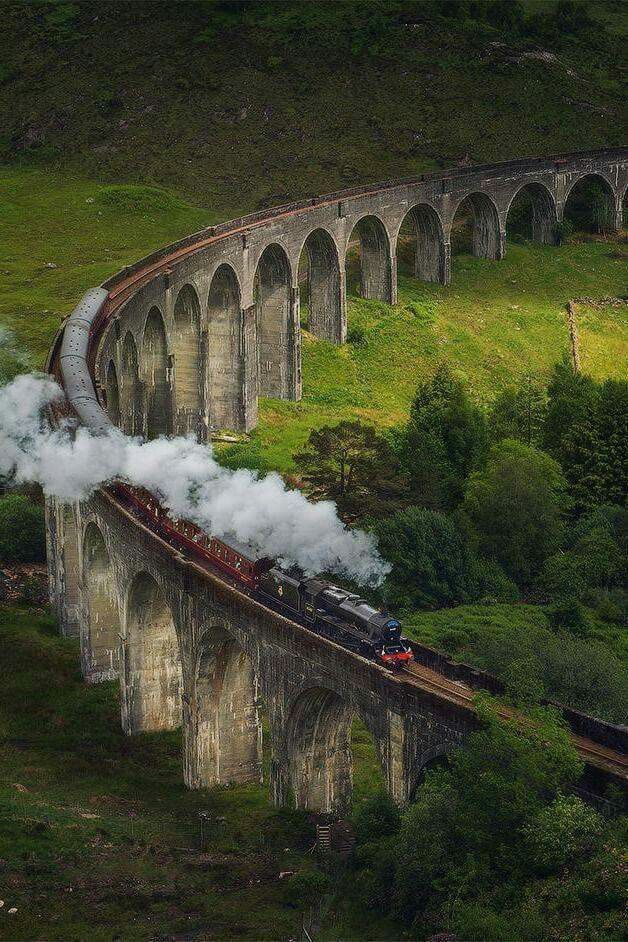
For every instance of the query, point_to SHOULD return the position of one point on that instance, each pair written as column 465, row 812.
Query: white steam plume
column 258, row 511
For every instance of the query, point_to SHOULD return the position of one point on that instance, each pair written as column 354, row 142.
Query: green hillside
column 247, row 104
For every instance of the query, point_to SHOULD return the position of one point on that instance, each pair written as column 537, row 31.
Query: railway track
column 463, row 695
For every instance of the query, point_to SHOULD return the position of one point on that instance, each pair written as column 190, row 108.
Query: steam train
column 315, row 603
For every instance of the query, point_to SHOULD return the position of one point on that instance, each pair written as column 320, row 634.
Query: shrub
column 379, row 817
column 356, row 336
column 568, row 613
column 22, row 533
column 305, row 887
column 489, row 583
column 429, row 558
column 562, row 831
column 516, row 508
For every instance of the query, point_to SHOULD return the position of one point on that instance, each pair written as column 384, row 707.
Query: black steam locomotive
column 321, row 606
column 337, row 614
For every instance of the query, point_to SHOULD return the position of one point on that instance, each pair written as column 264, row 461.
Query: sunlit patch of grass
column 495, row 322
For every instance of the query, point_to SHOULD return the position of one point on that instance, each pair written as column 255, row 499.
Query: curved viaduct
column 184, row 342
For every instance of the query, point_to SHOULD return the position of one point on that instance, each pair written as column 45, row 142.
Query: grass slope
column 251, row 104
column 100, row 839
column 61, row 235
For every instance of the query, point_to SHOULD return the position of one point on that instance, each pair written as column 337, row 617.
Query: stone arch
column 188, row 367
column 478, row 212
column 225, row 738
column 532, row 214
column 156, row 376
column 100, row 639
column 225, row 368
column 152, row 662
column 318, row 744
column 130, row 388
column 434, row 757
column 112, row 393
column 276, row 331
column 590, row 204
column 373, row 272
column 320, row 283
column 70, row 593
column 421, row 232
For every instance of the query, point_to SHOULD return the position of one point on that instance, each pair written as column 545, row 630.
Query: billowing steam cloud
column 258, row 511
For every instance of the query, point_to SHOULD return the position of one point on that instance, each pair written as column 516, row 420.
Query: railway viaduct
column 184, row 342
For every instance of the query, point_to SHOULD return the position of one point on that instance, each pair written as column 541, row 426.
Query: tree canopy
column 516, row 506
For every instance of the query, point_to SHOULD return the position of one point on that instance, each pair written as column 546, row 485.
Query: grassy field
column 99, row 838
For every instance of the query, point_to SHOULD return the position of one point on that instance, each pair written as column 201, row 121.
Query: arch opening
column 155, row 374
column 130, row 388
column 275, row 328
column 188, row 369
column 438, row 757
column 324, row 742
column 225, row 369
column 318, row 746
column 367, row 771
column 112, row 394
column 590, row 205
column 532, row 215
column 475, row 228
column 420, row 245
column 367, row 260
column 100, row 641
column 227, row 732
column 320, row 290
column 152, row 662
